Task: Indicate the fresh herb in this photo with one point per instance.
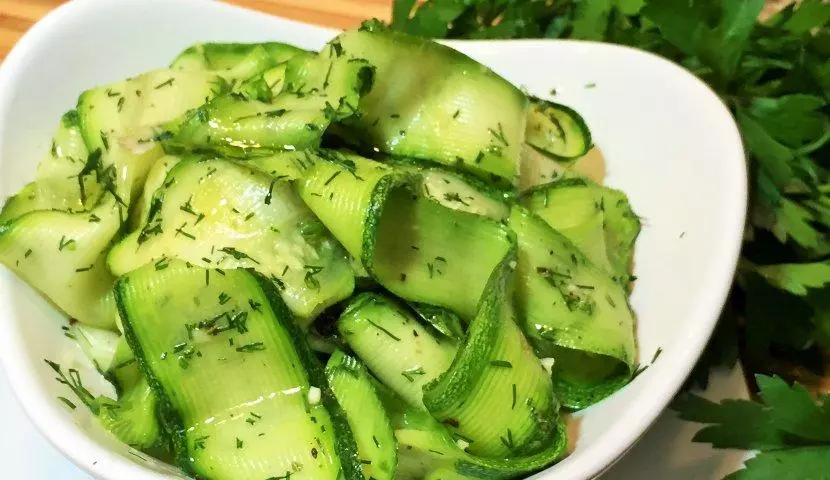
(68, 403)
(501, 363)
(789, 428)
(66, 243)
(412, 373)
(455, 197)
(162, 263)
(236, 254)
(199, 443)
(181, 231)
(73, 381)
(224, 298)
(239, 443)
(310, 279)
(166, 83)
(251, 347)
(387, 332)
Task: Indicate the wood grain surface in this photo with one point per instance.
(16, 16)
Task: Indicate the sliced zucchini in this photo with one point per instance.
(219, 215)
(239, 391)
(423, 252)
(123, 373)
(234, 61)
(353, 389)
(442, 320)
(98, 344)
(538, 169)
(67, 152)
(460, 191)
(423, 88)
(556, 130)
(284, 165)
(133, 417)
(119, 120)
(572, 312)
(400, 351)
(317, 91)
(414, 247)
(62, 255)
(155, 179)
(496, 393)
(427, 449)
(597, 219)
(56, 186)
(622, 227)
(575, 208)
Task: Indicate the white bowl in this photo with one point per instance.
(668, 141)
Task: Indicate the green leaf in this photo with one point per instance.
(734, 423)
(793, 409)
(795, 464)
(773, 157)
(796, 278)
(788, 417)
(808, 15)
(715, 31)
(433, 19)
(793, 120)
(401, 9)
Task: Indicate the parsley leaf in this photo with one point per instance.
(788, 416)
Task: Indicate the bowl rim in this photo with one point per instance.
(101, 462)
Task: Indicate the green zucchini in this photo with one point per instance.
(219, 215)
(423, 252)
(119, 120)
(240, 394)
(423, 88)
(496, 393)
(234, 61)
(155, 179)
(123, 372)
(398, 350)
(133, 417)
(98, 344)
(575, 208)
(598, 219)
(427, 448)
(538, 169)
(347, 193)
(56, 186)
(353, 389)
(62, 255)
(622, 227)
(284, 165)
(556, 130)
(459, 191)
(318, 90)
(411, 245)
(572, 312)
(442, 320)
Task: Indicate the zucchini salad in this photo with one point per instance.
(374, 261)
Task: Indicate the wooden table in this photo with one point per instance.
(16, 16)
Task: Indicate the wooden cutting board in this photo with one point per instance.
(16, 16)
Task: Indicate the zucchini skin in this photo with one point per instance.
(172, 423)
(344, 438)
(544, 117)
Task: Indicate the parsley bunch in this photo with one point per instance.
(774, 75)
